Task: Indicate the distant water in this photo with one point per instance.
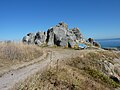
(112, 43)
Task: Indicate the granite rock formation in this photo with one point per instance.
(29, 38)
(40, 38)
(59, 35)
(91, 41)
(111, 70)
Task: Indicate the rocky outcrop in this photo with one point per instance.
(58, 35)
(40, 38)
(91, 41)
(29, 38)
(111, 69)
(50, 37)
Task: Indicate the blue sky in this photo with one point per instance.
(95, 18)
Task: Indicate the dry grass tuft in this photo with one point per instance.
(19, 51)
(16, 54)
(80, 73)
(66, 78)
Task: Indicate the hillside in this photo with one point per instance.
(59, 59)
(83, 70)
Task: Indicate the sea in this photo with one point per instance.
(109, 43)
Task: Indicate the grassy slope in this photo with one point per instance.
(80, 73)
(17, 53)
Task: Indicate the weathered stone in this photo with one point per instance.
(62, 24)
(58, 35)
(111, 70)
(90, 40)
(25, 39)
(115, 79)
(71, 35)
(59, 32)
(40, 38)
(50, 37)
(77, 33)
(96, 44)
(64, 43)
(29, 39)
(72, 43)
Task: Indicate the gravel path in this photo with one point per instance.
(8, 80)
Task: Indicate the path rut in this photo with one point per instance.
(8, 80)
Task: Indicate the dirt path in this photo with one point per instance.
(8, 80)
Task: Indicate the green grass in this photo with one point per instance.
(100, 77)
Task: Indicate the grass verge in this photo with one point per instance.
(17, 53)
(80, 73)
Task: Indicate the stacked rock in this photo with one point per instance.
(58, 35)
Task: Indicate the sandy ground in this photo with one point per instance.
(9, 79)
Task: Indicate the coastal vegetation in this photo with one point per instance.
(79, 73)
(17, 53)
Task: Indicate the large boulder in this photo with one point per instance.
(77, 33)
(40, 38)
(29, 39)
(71, 35)
(64, 42)
(94, 43)
(63, 25)
(25, 39)
(90, 40)
(111, 70)
(60, 32)
(58, 35)
(50, 37)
